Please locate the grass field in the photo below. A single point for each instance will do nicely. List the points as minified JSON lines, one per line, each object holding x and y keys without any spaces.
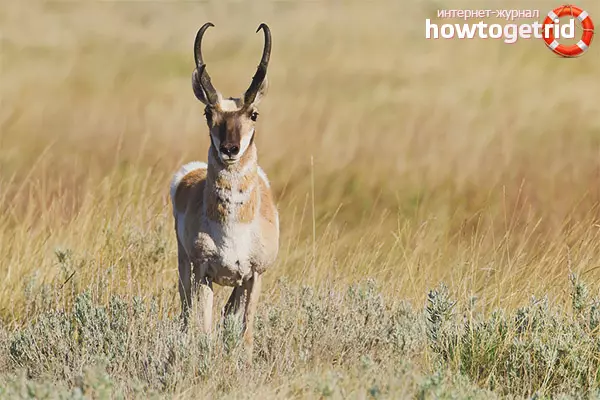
{"x":439,"y":203}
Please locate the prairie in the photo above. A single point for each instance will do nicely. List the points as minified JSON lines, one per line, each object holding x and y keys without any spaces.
{"x":438,"y":199}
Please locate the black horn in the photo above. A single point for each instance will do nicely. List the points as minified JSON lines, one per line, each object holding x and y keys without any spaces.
{"x":202,"y":77}
{"x":261,"y":72}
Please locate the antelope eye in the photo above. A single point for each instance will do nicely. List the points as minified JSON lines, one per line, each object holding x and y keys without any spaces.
{"x":254,"y":115}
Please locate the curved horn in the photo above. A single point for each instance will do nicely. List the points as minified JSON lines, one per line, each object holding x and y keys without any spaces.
{"x":261,"y":72}
{"x":204,"y":78}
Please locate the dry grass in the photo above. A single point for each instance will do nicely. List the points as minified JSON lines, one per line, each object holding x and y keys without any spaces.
{"x":395,"y":158}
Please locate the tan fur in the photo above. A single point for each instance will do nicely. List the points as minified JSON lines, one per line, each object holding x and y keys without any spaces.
{"x":247,"y":181}
{"x":191,"y":182}
{"x":202,"y":194}
{"x":267,"y":205}
{"x":198,"y":186}
{"x":246,"y":211}
{"x":215,"y":208}
{"x":223,"y":183}
{"x":218,"y":208}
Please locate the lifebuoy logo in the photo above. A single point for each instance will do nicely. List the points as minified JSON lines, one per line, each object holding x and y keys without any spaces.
{"x":551,"y":30}
{"x":586,"y":24}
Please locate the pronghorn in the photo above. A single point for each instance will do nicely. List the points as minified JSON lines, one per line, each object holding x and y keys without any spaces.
{"x":226,"y":220}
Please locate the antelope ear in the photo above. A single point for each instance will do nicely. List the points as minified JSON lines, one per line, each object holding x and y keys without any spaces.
{"x":197,"y":87}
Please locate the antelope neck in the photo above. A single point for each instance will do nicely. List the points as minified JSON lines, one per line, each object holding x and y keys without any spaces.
{"x":231,"y":191}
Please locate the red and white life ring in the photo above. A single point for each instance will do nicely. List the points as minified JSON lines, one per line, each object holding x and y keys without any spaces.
{"x":586,"y":39}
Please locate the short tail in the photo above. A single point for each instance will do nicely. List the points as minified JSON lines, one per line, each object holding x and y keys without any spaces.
{"x":183,"y":171}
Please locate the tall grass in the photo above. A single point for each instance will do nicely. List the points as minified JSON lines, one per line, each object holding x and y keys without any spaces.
{"x":404,"y":160}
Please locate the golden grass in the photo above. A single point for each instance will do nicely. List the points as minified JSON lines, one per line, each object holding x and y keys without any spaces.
{"x":474,"y":162}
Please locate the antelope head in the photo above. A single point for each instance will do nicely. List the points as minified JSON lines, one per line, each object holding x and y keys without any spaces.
{"x":230,"y":121}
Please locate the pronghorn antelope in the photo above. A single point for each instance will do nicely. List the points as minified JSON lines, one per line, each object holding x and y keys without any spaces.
{"x":226,"y":221}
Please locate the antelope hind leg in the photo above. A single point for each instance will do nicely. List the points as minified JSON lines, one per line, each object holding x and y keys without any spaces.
{"x":204,"y":297}
{"x":185,"y":283}
{"x":233,"y":305}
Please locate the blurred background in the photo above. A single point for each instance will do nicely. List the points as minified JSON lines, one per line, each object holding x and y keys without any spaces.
{"x":396,"y":158}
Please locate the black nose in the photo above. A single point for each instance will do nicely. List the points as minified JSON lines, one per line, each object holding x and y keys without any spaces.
{"x":230,"y":149}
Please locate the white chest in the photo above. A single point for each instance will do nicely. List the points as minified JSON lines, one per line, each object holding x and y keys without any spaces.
{"x":228,"y":251}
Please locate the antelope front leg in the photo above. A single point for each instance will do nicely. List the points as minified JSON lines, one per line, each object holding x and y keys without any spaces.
{"x":253,"y":287}
{"x":204,"y":296}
